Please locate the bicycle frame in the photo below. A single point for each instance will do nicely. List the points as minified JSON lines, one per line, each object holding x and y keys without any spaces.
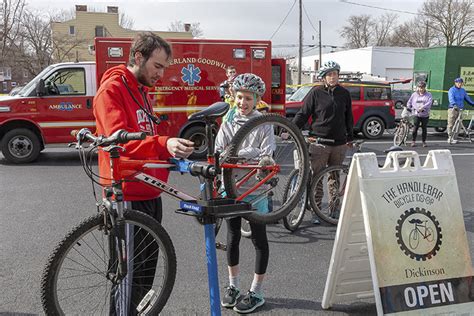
{"x":459,"y":124}
{"x":122,"y":169}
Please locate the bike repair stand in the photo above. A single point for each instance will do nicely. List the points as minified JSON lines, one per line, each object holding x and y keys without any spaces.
{"x":207,"y":210}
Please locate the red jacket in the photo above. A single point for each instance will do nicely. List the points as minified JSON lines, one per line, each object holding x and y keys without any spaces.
{"x":114,"y":109}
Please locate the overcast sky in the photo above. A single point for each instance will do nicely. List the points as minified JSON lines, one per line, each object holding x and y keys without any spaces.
{"x":246,"y":19}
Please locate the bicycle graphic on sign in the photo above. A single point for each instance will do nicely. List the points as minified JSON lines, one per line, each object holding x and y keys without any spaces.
{"x":421,"y":231}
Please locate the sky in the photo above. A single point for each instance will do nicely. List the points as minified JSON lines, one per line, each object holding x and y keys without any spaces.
{"x":247,"y":19}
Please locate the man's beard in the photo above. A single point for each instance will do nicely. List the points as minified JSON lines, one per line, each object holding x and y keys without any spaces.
{"x":141,"y":76}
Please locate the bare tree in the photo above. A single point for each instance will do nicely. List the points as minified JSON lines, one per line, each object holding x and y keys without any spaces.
{"x":36,"y":42}
{"x":413,"y":33}
{"x":452,"y":21}
{"x":38,"y":46}
{"x":383,"y":29}
{"x":126,"y":21}
{"x":359,"y":31}
{"x":179,"y":26}
{"x":10,"y":14}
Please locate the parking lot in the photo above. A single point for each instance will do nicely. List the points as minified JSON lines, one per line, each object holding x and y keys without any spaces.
{"x":41,"y":201}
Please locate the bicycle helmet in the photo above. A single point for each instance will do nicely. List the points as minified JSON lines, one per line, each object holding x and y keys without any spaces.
{"x":249,"y":82}
{"x":327,"y":67}
{"x":459,"y":80}
{"x":421,"y":84}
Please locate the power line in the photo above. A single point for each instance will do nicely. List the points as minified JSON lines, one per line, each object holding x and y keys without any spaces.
{"x":278,"y":28}
{"x":306,"y":45}
{"x":307,"y":16}
{"x":375,"y":7}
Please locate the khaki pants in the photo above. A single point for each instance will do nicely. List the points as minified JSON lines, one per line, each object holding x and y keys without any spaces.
{"x":452,"y":116}
{"x":323,"y":156}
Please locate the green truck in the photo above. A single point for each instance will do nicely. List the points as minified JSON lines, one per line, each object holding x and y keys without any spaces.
{"x":439,"y":66}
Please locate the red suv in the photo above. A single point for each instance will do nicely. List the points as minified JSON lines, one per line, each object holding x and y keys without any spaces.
{"x":372,"y":106}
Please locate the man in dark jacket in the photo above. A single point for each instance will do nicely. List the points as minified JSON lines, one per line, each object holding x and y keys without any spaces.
{"x":330,"y":109}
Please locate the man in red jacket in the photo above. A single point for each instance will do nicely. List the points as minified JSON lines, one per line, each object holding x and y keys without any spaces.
{"x":122,"y":102}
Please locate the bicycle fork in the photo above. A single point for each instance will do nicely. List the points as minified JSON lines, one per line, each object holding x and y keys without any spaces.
{"x":117,"y":241}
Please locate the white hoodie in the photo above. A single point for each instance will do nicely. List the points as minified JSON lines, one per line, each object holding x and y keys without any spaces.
{"x":260,"y":143}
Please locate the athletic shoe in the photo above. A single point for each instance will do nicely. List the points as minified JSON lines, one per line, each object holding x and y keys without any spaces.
{"x":413,"y":144}
{"x":231,"y":295}
{"x":455,"y":141}
{"x":425,"y":144}
{"x":249,"y":303}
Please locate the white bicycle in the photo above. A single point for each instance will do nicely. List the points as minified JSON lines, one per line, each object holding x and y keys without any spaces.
{"x":459,"y":129}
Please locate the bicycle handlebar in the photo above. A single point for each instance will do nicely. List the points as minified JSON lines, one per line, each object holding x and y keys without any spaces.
{"x":119,"y":137}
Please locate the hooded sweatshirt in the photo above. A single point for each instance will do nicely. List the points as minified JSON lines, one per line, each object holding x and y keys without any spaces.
{"x":260,"y":142}
{"x":114,"y":109}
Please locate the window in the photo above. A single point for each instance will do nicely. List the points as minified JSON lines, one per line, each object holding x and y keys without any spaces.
{"x":6,"y":73}
{"x":66,"y":82}
{"x":354,"y":92}
{"x":377,"y":93}
{"x":5,"y":86}
{"x":419,"y":76}
{"x":276,"y":69}
{"x":72,"y":30}
{"x":99,"y":31}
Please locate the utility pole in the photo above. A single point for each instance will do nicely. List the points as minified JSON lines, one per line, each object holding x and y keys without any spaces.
{"x":320,"y":48}
{"x":300,"y":52}
{"x":427,"y":41}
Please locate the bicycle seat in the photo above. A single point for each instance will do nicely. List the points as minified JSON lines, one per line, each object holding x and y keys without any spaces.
{"x":393,"y":148}
{"x":214,"y":111}
{"x":415,"y":221}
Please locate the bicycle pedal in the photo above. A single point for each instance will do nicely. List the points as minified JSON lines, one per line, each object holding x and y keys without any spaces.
{"x":221,"y":246}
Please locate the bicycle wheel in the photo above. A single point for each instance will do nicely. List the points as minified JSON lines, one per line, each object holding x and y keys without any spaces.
{"x":77,"y":277}
{"x":251,"y":168}
{"x":454,"y":132}
{"x":413,"y":239}
{"x":245,"y":229}
{"x":400,"y":134}
{"x":293,"y":220}
{"x":327,"y":191}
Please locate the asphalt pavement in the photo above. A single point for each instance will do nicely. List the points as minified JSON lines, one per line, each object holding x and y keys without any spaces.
{"x":42,"y":201}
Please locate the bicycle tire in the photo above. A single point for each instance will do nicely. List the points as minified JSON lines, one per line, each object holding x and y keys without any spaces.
{"x":454,"y":131}
{"x":295,"y":217}
{"x":56,"y":266}
{"x":401,"y":134}
{"x":293,"y":144}
{"x":328,"y":210}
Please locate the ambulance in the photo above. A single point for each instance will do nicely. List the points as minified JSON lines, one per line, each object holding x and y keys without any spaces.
{"x":60,"y":98}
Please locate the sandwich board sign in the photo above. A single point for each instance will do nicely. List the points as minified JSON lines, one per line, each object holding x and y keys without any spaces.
{"x":401,"y":238}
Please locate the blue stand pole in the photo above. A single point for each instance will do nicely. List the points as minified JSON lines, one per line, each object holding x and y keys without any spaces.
{"x":212,"y":276}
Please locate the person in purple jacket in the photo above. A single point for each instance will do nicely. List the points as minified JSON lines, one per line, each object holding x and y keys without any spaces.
{"x":420,"y":104}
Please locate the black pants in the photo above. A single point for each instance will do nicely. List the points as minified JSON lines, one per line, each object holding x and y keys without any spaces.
{"x":145,"y":257}
{"x":259,"y":240}
{"x":424,"y":129}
